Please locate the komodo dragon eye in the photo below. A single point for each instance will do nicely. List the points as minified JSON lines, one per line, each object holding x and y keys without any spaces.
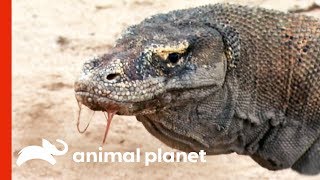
{"x":174,"y":57}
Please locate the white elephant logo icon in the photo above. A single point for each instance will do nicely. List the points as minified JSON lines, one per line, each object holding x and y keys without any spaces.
{"x":45,"y":152}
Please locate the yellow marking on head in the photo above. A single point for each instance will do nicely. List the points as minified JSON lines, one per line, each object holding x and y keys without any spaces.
{"x":164,"y":50}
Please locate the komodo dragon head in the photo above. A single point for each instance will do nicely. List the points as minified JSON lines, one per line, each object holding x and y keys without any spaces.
{"x":159,"y":73}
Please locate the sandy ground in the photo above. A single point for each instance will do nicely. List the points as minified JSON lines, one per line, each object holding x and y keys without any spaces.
{"x":51,"y":40}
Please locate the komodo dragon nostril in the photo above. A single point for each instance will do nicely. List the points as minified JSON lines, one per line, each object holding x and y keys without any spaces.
{"x":113,"y":76}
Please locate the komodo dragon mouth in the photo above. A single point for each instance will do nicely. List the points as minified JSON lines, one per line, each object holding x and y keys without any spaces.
{"x":142,"y":110}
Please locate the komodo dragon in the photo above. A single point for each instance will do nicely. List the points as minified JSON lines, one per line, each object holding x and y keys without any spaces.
{"x":222,"y":78}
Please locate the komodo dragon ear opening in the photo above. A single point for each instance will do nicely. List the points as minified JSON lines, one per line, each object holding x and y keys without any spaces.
{"x":231,"y":41}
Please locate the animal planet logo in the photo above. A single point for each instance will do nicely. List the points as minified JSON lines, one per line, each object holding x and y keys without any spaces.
{"x":45,"y":152}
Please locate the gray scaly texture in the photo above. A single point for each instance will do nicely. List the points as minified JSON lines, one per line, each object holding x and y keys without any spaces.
{"x":222,"y":78}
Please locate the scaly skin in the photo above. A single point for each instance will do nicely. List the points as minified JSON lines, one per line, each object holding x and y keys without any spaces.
{"x":222,"y":78}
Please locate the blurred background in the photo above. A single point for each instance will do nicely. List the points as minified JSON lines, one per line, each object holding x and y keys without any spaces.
{"x":51,"y":41}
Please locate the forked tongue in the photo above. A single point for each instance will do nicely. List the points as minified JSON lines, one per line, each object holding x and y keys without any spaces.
{"x":111,"y":113}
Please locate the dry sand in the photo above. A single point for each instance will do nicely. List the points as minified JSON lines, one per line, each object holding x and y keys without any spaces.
{"x":51,"y":40}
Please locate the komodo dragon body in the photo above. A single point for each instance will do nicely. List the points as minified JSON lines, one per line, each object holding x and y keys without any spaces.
{"x":222,"y":78}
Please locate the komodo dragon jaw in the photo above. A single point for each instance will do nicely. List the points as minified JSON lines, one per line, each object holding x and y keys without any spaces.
{"x":223,"y":78}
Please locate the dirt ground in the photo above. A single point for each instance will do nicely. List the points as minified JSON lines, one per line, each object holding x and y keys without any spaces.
{"x":51,"y":40}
